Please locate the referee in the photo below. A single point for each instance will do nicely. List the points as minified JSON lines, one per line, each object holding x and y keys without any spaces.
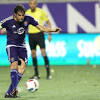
{"x":36,"y":37}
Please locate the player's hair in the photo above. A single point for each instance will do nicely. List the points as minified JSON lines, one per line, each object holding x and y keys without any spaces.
{"x":20,"y":8}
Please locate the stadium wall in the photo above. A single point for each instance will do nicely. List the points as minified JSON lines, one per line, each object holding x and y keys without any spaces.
{"x":79,"y":43}
{"x":72,"y":17}
{"x":64,"y":49}
{"x":44,"y":1}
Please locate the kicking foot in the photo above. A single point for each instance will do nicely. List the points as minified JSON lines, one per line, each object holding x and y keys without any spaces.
{"x":13,"y":94}
{"x":10,"y":96}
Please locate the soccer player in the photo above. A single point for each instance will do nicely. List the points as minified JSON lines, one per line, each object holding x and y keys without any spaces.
{"x":16,"y":48}
{"x":36,"y":37}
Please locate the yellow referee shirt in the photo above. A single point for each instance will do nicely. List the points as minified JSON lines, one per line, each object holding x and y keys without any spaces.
{"x":40,"y":16}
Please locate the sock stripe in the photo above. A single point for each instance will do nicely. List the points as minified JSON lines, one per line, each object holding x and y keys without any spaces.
{"x":14,"y":70}
{"x":19,"y":74}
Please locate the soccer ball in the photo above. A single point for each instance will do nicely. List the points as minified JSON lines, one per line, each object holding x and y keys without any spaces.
{"x":32,"y":85}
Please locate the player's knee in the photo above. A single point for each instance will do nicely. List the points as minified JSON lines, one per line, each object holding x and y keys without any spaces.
{"x":14,"y":65}
{"x":44,"y":54}
{"x":33,"y":53}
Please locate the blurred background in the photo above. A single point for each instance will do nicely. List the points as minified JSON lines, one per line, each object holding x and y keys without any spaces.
{"x":74,"y":53}
{"x":79,"y":41}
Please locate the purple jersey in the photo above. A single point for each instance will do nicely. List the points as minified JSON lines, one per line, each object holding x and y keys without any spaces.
{"x":16,"y":30}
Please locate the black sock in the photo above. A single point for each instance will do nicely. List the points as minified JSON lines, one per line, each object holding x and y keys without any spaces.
{"x":47,"y":64}
{"x":35,"y":65}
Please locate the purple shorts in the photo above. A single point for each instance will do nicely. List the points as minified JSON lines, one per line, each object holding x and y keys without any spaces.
{"x":15,"y":53}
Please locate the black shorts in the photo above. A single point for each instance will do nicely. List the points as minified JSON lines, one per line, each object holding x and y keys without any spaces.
{"x":37,"y":39}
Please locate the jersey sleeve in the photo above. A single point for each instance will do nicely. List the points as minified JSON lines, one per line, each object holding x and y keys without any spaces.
{"x":4,"y":25}
{"x":33,"y":21}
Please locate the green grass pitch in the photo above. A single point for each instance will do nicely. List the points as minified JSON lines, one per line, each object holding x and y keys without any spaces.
{"x":68,"y":83}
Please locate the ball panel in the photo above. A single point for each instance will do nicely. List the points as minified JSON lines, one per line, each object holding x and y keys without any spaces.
{"x":32,"y":85}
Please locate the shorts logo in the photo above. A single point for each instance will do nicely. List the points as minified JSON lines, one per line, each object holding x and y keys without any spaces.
{"x":12,"y":59}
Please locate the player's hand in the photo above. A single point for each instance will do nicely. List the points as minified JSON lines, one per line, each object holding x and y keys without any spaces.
{"x":57,"y":29}
{"x":3,"y":31}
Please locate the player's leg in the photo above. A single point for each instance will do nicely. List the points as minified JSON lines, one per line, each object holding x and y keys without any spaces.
{"x":22,"y":62}
{"x":21,"y":70}
{"x":33,"y":43}
{"x":46,"y":63}
{"x":34,"y":58}
{"x":12,"y":54}
{"x":21,"y":67}
{"x":42,"y":46}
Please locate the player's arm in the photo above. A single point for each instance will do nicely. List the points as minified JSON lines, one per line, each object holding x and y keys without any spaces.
{"x":40,"y":27}
{"x":46,"y":29}
{"x":49,"y":26}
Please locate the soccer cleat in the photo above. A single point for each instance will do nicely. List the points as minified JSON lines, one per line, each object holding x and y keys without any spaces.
{"x":35,"y":77}
{"x":10,"y":96}
{"x":49,"y":77}
{"x":13,"y":94}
